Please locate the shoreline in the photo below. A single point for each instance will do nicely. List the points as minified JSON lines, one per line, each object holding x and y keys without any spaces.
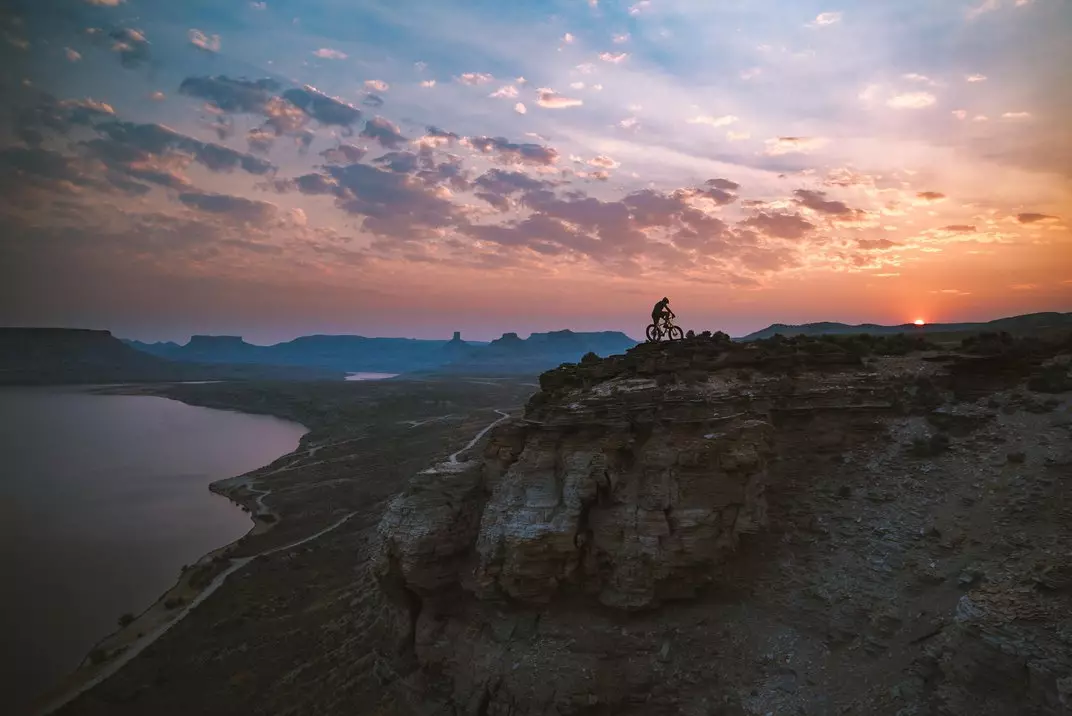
{"x":192,"y":586}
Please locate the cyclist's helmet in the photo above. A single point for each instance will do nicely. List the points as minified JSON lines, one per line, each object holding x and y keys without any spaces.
{"x":666,"y":300}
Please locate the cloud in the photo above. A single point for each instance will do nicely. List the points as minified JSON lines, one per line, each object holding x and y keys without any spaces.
{"x":639,"y":7}
{"x":789,"y":145}
{"x":475,"y":78}
{"x":505,"y":92}
{"x":713,"y":121}
{"x":960,"y":113}
{"x":603,"y":161}
{"x":324,"y":109}
{"x":235,"y":208}
{"x":343,"y":154}
{"x":1016,"y":115}
{"x":976,"y":78}
{"x":751,"y":72}
{"x":737,"y":136}
{"x":981,"y":9}
{"x":158,"y":139}
{"x":260,"y":140}
{"x":507,"y":152}
{"x":377,"y":85}
{"x":208,"y":43}
{"x":496,"y":186}
{"x":28,"y":175}
{"x":428,"y":83}
{"x":71,"y":55}
{"x":911,"y":100}
{"x":960,"y":228}
{"x":105,"y":3}
{"x":780,"y":225}
{"x":817,"y":201}
{"x":621,"y":39}
{"x":549,"y":99}
{"x":930,"y":196}
{"x":326,"y":53}
{"x":404,"y":162}
{"x":614,"y":57}
{"x":520,"y":108}
{"x":1032,"y":218}
{"x":393,"y":204}
{"x":372,"y":100}
{"x":383,"y":131}
{"x":568,"y":38}
{"x":131,"y":45}
{"x":875,"y":245}
{"x":825,"y":18}
{"x":232,"y":95}
{"x":916,"y":77}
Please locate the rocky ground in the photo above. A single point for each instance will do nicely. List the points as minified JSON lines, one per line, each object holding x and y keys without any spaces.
{"x":804,"y":527}
{"x":807,"y":526}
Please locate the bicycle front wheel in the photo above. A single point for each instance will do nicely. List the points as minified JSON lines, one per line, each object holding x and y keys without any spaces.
{"x":675,"y":333}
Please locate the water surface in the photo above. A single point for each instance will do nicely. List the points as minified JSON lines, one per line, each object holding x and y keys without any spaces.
{"x":102,"y":500}
{"x":370,"y":376}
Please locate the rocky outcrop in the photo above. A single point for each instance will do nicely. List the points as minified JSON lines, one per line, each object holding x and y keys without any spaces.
{"x":710,"y":527}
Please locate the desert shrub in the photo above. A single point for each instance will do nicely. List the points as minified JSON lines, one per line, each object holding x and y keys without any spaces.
{"x":590,"y":357}
{"x":173,"y":602}
{"x":126,"y":619}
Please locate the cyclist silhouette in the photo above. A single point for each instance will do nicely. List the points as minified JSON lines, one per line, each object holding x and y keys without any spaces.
{"x":661,"y":312}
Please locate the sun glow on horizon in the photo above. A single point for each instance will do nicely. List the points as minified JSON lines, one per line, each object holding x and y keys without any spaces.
{"x":919,"y":322}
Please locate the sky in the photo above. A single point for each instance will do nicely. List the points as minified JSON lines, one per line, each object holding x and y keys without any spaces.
{"x":279,"y":168}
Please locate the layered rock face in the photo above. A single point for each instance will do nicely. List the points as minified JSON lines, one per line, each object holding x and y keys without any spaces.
{"x":656,"y":534}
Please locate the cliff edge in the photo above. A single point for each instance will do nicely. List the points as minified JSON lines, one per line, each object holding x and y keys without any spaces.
{"x":793,"y":525}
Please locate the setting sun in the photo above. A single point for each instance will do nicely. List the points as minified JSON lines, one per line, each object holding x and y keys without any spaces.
{"x":919,"y":322}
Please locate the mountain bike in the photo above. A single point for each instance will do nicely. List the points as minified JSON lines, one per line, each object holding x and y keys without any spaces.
{"x":667,"y":329}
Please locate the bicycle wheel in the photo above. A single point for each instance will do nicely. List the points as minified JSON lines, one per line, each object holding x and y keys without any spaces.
{"x":652,"y":333}
{"x":675,"y":333}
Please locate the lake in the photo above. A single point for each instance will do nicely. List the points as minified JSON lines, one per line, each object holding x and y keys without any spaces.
{"x":370,"y":376}
{"x":104,"y":499}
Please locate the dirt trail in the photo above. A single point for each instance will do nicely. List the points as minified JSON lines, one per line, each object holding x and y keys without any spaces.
{"x":141,"y":644}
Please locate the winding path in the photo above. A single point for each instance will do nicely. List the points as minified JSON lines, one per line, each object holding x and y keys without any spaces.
{"x":237,"y":563}
{"x":141,"y":644}
{"x":452,"y":463}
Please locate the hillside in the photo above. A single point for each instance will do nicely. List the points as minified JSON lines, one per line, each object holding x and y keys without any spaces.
{"x":508,"y":355}
{"x":1029,"y":324}
{"x":512,"y":355}
{"x":349,"y":354}
{"x":36,"y":356}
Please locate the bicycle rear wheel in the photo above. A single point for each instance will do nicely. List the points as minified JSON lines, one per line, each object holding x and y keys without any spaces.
{"x":652,"y":333}
{"x":675,"y":333}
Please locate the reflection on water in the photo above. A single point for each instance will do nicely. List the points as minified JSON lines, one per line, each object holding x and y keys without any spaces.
{"x":369,"y":376}
{"x":104,"y":498}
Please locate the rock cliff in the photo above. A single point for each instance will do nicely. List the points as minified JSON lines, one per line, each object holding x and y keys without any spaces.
{"x":790,"y":526}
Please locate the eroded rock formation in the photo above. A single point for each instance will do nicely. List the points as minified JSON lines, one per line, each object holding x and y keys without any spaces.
{"x":711,"y":528}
